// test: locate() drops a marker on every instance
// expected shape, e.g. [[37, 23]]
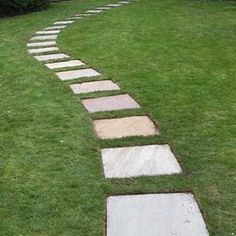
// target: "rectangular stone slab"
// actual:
[[56, 27], [110, 103], [50, 57], [94, 11], [49, 32], [103, 8], [42, 44], [44, 37], [149, 160], [64, 64], [113, 5], [163, 214], [63, 22], [95, 86], [42, 50], [77, 74], [125, 127]]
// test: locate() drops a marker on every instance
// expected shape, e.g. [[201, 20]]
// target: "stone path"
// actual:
[[131, 215]]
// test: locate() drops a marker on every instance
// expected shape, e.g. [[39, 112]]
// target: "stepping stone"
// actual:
[[149, 160], [110, 103], [42, 44], [125, 127], [95, 86], [44, 37], [163, 214], [83, 14], [103, 8], [113, 5], [123, 2], [63, 22], [77, 74], [41, 50], [94, 11], [75, 18], [56, 27], [50, 57], [48, 32], [64, 64]]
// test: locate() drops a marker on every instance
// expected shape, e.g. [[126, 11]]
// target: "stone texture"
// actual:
[[64, 64], [83, 14], [63, 22], [149, 160], [165, 214], [124, 127], [95, 86], [50, 57], [42, 50], [42, 44], [75, 18], [110, 103], [44, 37], [56, 27], [103, 8], [49, 32], [77, 74]]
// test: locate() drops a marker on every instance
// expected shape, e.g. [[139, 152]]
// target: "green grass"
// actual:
[[175, 57]]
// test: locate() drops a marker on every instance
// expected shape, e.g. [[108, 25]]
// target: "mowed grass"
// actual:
[[176, 58]]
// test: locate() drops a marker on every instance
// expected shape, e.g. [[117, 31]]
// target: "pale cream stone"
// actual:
[[64, 64], [42, 44], [63, 22], [149, 160], [44, 37], [49, 32], [52, 57], [125, 127], [42, 50]]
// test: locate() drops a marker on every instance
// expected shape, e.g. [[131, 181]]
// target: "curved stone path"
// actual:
[[163, 214]]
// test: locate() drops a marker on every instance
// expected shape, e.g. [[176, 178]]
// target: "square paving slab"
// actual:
[[125, 127], [42, 50], [110, 103], [77, 74], [42, 44], [50, 57], [64, 64], [44, 37], [48, 32], [63, 22], [56, 27], [147, 160], [95, 86], [167, 214]]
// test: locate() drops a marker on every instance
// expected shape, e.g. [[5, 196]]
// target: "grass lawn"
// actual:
[[175, 57]]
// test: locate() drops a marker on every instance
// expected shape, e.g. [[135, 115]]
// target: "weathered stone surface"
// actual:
[[42, 50], [77, 74], [83, 14], [95, 86], [50, 57], [64, 64], [44, 37], [42, 44], [49, 32], [56, 27], [67, 22], [110, 103], [164, 214], [113, 5], [103, 8], [149, 160], [124, 127], [75, 18]]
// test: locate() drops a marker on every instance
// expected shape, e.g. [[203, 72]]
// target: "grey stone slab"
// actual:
[[44, 37], [83, 14], [47, 32], [56, 27], [113, 5], [94, 11], [64, 64], [165, 214], [50, 57], [77, 74], [95, 86], [149, 160], [125, 127], [75, 18], [42, 44], [42, 50], [103, 8], [110, 103], [67, 22]]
